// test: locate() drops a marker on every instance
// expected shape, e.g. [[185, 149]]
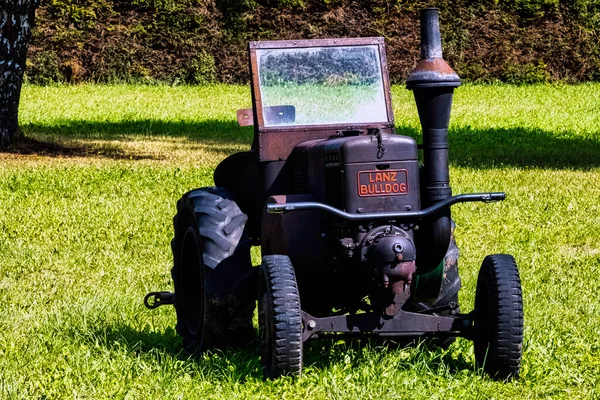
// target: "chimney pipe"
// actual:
[[433, 82], [431, 40]]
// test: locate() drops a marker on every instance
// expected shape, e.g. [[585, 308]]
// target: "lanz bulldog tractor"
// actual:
[[356, 236]]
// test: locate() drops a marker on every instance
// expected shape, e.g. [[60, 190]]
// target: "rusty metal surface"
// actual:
[[386, 83], [290, 44], [245, 117], [433, 71], [277, 143], [399, 276], [255, 89]]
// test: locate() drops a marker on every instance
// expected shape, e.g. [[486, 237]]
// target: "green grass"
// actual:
[[329, 104], [84, 235]]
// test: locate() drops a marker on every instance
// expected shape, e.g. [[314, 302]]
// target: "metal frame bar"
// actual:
[[398, 216], [404, 323]]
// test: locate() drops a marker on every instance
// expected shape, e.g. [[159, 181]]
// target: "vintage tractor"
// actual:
[[356, 235]]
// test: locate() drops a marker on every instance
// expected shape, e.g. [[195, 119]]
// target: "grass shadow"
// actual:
[[26, 146], [240, 364], [218, 131], [231, 364], [324, 354], [110, 139], [518, 147], [471, 147]]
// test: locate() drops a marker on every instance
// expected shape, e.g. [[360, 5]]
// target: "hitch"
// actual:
[[159, 299]]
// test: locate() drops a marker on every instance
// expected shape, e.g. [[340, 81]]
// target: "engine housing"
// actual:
[[359, 174]]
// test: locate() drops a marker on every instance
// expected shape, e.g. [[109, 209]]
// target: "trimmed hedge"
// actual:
[[204, 41]]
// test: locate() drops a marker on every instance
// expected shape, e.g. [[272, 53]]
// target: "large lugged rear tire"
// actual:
[[450, 285], [448, 295], [279, 318], [498, 340], [212, 272]]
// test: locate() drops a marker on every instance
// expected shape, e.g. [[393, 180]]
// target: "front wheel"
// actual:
[[498, 339], [279, 318]]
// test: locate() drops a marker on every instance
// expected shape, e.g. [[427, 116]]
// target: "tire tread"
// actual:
[[221, 226], [504, 348], [284, 298]]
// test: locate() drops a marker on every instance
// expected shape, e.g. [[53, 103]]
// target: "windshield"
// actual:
[[322, 85]]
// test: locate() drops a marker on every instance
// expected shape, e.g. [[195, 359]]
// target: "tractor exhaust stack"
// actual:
[[433, 82]]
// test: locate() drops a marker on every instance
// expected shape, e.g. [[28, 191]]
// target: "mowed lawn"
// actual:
[[86, 224]]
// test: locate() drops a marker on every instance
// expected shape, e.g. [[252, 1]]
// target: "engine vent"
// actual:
[[332, 160], [334, 185], [299, 184]]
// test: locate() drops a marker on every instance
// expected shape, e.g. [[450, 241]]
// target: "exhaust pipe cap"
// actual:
[[432, 71]]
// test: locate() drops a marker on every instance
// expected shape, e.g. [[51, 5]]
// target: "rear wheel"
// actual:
[[450, 284], [279, 318], [498, 339], [448, 295], [212, 273]]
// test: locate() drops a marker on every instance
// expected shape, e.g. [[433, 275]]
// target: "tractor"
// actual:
[[353, 220]]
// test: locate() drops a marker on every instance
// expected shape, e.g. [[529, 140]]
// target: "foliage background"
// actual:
[[204, 41]]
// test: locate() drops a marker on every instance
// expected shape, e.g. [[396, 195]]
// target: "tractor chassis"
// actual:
[[400, 323], [393, 321]]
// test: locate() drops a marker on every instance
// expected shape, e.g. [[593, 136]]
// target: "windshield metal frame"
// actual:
[[313, 131]]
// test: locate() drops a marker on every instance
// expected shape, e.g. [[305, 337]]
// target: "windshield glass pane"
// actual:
[[322, 85]]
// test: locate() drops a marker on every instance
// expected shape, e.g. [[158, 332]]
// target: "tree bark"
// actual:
[[16, 20]]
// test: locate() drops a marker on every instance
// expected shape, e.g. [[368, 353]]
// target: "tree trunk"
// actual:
[[16, 19]]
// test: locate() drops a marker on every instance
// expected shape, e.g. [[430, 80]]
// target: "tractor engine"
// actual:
[[363, 174], [357, 173]]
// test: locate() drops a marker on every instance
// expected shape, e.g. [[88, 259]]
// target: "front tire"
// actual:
[[212, 272], [279, 318], [498, 340]]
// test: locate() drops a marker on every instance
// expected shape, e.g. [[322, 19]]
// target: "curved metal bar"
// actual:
[[399, 216]]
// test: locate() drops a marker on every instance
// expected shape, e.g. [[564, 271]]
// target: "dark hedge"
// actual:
[[347, 66], [204, 41]]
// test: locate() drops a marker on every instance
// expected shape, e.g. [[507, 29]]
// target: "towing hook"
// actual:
[[158, 299]]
